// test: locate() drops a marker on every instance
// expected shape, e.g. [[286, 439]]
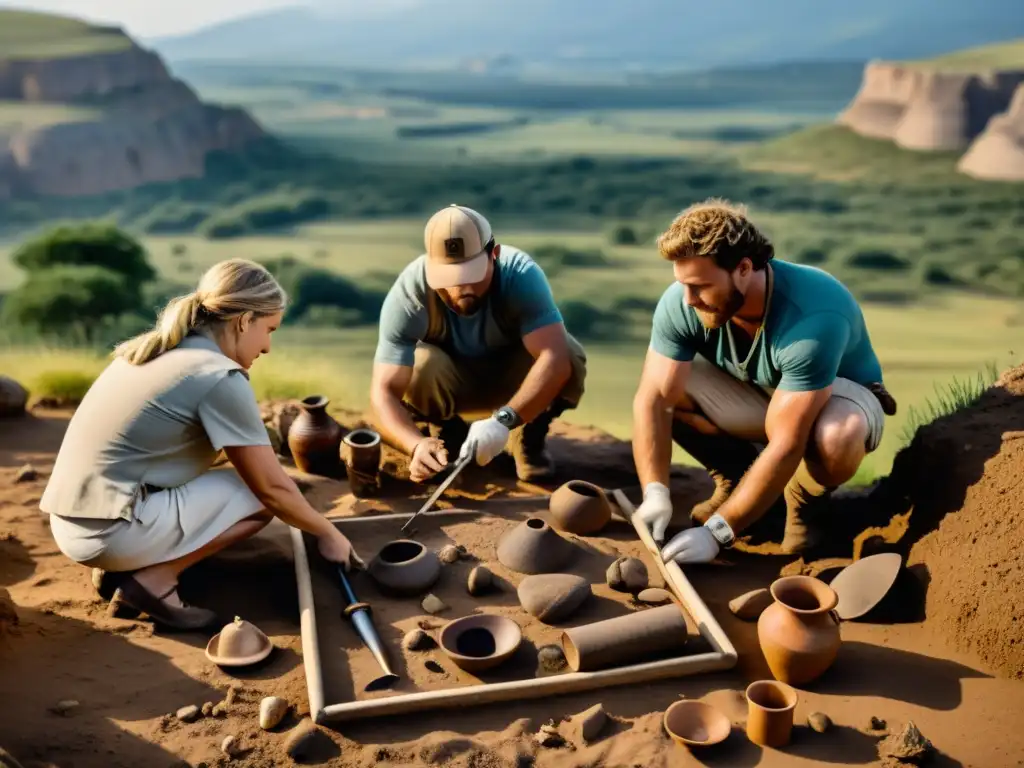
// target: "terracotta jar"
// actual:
[[799, 632], [580, 507], [770, 709], [360, 450], [405, 567], [314, 439]]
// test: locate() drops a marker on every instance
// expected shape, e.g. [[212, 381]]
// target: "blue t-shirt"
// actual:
[[813, 332], [526, 297]]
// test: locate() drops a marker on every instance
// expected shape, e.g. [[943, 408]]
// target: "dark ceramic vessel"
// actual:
[[314, 439], [360, 451], [405, 567], [533, 546], [580, 507]]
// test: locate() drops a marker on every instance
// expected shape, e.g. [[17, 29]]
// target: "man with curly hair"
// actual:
[[764, 372]]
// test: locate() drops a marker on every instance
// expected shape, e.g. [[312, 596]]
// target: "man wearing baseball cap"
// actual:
[[470, 329]]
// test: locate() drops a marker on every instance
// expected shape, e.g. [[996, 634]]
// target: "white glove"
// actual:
[[656, 510], [698, 545], [486, 439]]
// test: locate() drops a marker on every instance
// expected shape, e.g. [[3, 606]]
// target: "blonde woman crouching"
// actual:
[[133, 492]]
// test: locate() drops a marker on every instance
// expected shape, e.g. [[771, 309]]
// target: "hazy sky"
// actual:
[[152, 18]]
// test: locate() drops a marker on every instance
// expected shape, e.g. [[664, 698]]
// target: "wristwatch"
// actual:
[[507, 417], [721, 530]]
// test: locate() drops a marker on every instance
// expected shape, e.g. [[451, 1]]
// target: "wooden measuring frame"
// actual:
[[723, 654]]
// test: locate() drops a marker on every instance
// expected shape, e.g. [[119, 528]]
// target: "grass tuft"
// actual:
[[67, 387], [949, 398]]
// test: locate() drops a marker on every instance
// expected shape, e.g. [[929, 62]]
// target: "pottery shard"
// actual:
[[433, 604], [272, 712], [13, 397], [654, 596], [448, 554], [750, 605], [592, 722], [627, 574], [188, 714], [417, 640], [819, 721], [480, 581], [553, 597], [909, 745]]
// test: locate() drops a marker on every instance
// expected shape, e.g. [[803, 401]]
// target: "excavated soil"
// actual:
[[82, 688]]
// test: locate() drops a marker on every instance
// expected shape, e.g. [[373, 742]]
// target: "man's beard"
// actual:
[[464, 305], [716, 318]]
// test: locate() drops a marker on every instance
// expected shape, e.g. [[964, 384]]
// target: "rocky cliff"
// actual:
[[998, 153], [146, 125]]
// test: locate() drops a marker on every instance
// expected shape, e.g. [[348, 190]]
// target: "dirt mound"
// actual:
[[998, 153]]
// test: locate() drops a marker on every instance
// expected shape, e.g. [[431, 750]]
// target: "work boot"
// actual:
[[726, 459], [807, 503], [528, 446]]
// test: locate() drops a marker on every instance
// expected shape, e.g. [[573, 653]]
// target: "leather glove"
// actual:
[[486, 439], [699, 545], [656, 510]]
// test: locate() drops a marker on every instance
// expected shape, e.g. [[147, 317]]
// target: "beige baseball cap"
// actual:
[[457, 240]]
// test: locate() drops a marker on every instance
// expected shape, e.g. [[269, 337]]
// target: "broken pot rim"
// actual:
[[882, 561], [826, 596], [473, 621], [711, 714]]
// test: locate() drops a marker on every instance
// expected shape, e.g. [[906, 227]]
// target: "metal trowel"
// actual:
[[359, 614]]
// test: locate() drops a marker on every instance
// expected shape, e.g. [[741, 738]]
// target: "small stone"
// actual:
[[417, 640], [207, 709], [654, 596], [909, 745], [592, 722], [65, 708], [552, 597], [433, 604], [550, 658], [480, 581], [627, 574], [547, 737], [301, 742], [229, 746], [26, 474], [877, 724], [188, 714], [750, 605], [231, 695], [819, 721], [272, 712], [448, 554], [13, 398], [220, 709]]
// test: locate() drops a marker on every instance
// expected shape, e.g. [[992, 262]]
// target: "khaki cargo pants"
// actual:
[[444, 386], [740, 408]]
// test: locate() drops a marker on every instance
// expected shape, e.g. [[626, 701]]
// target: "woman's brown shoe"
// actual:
[[184, 617]]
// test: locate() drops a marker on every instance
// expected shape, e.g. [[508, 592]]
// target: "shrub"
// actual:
[[265, 213], [308, 287], [62, 387], [624, 235], [585, 321], [874, 259]]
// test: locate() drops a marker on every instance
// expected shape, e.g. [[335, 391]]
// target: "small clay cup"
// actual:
[[696, 723], [770, 708], [405, 567], [360, 450], [580, 507], [481, 641]]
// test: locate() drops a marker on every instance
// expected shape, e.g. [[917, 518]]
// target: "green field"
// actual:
[[1008, 55], [27, 35]]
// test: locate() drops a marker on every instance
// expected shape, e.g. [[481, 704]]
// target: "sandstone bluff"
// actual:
[[128, 121]]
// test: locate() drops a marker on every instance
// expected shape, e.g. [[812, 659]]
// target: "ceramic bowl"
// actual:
[[405, 567], [479, 642], [696, 724], [238, 644]]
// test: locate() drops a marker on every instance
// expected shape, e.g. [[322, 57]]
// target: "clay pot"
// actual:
[[580, 507], [238, 644], [360, 450], [770, 707], [696, 723], [799, 632], [314, 439], [533, 546], [479, 642], [405, 567]]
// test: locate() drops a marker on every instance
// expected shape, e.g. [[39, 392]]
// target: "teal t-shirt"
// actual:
[[813, 333], [526, 297]]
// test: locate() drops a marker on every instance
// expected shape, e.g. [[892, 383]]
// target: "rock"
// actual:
[[65, 708], [750, 605], [819, 721], [272, 712], [550, 658], [627, 574], [231, 695], [433, 604], [877, 724], [229, 746], [481, 581], [549, 736], [448, 554], [417, 640], [304, 741], [188, 714], [13, 398], [909, 745], [655, 596], [220, 709], [552, 597], [591, 722], [26, 474], [207, 709]]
